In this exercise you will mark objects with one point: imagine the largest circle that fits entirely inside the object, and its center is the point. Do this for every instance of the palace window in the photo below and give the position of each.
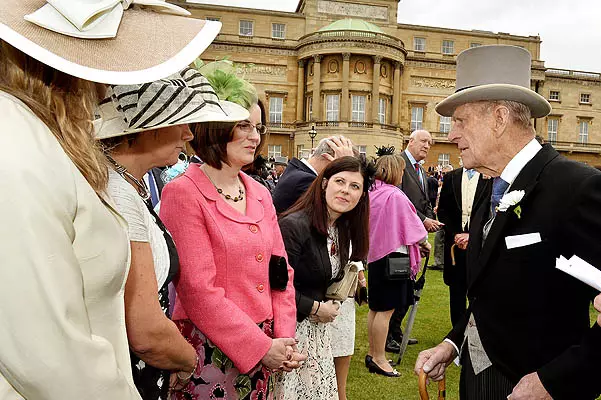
(382, 111)
(274, 150)
(332, 107)
(309, 108)
(444, 159)
(583, 131)
(246, 28)
(276, 109)
(362, 150)
(301, 152)
(445, 124)
(213, 19)
(585, 98)
(552, 127)
(474, 44)
(417, 118)
(419, 44)
(554, 95)
(448, 47)
(278, 31)
(358, 104)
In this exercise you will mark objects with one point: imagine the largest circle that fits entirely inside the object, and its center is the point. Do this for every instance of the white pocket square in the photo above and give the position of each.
(522, 240)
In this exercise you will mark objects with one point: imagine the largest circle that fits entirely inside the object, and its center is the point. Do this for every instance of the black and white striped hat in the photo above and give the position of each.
(182, 98)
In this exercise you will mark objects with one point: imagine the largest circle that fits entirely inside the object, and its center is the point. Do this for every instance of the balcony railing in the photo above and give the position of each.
(355, 124)
(577, 146)
(281, 125)
(346, 35)
(327, 123)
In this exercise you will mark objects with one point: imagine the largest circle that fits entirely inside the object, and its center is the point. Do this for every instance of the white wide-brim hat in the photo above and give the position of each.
(497, 72)
(183, 98)
(147, 45)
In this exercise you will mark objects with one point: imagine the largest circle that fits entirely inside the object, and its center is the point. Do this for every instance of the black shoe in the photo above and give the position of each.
(368, 360)
(392, 346)
(412, 341)
(374, 369)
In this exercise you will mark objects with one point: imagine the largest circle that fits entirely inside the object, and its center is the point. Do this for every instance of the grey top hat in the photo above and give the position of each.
(280, 160)
(498, 72)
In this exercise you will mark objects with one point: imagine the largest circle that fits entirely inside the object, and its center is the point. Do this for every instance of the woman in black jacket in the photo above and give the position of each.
(325, 229)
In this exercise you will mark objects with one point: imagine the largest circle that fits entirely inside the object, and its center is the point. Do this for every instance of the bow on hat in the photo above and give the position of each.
(92, 19)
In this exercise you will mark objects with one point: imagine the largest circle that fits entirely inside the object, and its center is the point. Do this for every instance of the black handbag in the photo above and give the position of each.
(278, 273)
(398, 267)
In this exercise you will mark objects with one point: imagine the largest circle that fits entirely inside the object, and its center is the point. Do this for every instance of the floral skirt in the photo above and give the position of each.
(216, 376)
(316, 377)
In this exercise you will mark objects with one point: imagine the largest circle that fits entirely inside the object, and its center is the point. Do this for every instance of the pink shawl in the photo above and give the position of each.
(393, 222)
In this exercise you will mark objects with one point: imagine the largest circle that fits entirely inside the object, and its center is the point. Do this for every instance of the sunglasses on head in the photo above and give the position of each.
(247, 127)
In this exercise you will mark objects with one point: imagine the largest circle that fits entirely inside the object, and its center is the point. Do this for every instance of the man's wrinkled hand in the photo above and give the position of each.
(530, 388)
(341, 146)
(432, 225)
(434, 361)
(461, 240)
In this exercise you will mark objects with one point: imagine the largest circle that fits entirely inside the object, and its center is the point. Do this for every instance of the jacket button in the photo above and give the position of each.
(253, 228)
(260, 287)
(259, 257)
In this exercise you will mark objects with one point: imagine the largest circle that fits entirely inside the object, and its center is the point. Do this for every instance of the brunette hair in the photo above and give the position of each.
(389, 169)
(353, 226)
(211, 139)
(64, 103)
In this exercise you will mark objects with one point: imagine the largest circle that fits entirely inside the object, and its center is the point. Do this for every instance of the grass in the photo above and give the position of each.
(432, 323)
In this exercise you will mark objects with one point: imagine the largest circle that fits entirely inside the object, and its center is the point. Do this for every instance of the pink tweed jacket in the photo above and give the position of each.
(223, 284)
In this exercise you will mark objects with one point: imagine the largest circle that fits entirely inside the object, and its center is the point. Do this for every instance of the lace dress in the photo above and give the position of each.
(316, 378)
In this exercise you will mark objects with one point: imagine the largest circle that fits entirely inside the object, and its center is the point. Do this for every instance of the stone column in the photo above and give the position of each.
(300, 91)
(375, 90)
(396, 93)
(317, 88)
(344, 106)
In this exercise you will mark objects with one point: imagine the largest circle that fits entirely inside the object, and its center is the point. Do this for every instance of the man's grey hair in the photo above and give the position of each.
(415, 132)
(324, 148)
(519, 113)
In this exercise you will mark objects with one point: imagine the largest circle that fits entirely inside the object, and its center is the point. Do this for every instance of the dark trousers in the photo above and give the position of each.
(458, 298)
(489, 384)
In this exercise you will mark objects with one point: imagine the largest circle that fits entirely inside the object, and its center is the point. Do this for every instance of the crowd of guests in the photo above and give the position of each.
(216, 284)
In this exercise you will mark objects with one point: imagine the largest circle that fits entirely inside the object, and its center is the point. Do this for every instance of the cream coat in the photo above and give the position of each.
(64, 258)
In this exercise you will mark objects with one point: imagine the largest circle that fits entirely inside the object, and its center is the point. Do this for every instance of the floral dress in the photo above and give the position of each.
(216, 377)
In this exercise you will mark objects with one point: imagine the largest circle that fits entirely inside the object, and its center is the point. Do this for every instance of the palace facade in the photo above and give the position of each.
(347, 67)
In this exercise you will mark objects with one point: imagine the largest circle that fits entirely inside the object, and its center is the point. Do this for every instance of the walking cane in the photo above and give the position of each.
(417, 294)
(423, 390)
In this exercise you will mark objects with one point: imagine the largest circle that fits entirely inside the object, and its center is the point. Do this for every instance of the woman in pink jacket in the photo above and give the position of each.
(226, 232)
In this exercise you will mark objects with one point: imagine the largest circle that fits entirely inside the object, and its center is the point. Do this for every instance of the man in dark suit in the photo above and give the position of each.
(526, 334)
(462, 191)
(415, 182)
(300, 174)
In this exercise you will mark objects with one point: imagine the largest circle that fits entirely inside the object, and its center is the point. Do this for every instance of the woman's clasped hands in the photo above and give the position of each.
(283, 355)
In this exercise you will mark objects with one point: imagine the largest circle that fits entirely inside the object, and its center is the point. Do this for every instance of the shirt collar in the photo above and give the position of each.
(410, 157)
(519, 161)
(306, 162)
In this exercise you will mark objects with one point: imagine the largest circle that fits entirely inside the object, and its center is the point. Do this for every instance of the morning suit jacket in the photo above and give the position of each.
(307, 251)
(295, 181)
(414, 190)
(450, 210)
(64, 260)
(531, 316)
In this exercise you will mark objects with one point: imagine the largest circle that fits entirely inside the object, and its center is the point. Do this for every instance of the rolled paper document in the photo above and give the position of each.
(580, 270)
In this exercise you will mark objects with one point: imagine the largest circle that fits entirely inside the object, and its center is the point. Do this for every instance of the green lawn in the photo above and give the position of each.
(431, 325)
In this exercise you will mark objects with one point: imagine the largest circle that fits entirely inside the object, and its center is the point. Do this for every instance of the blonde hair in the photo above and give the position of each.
(389, 169)
(65, 104)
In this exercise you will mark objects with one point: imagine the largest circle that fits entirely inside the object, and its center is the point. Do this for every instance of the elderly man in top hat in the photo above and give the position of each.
(526, 334)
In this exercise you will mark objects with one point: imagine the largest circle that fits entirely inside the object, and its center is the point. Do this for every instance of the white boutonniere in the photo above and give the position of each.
(511, 199)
